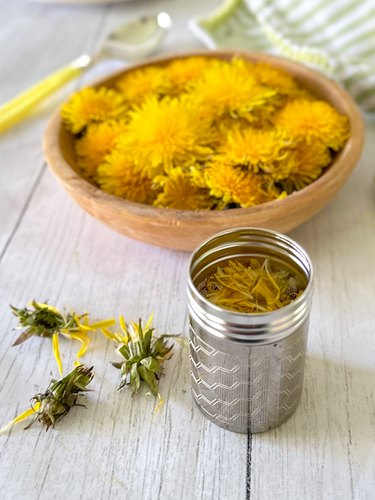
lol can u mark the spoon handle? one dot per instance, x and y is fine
(18, 108)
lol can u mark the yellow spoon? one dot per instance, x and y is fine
(133, 40)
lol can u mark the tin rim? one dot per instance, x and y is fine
(222, 322)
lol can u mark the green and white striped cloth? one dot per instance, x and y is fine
(335, 36)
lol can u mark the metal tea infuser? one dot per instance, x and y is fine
(247, 369)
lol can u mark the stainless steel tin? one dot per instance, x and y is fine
(247, 369)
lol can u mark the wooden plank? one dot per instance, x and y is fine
(118, 447)
(30, 34)
(73, 260)
(325, 451)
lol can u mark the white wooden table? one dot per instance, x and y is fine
(50, 249)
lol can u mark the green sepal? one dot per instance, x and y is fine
(124, 351)
(152, 364)
(135, 379)
(147, 339)
(117, 364)
(150, 379)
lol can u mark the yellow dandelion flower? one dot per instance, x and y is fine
(258, 191)
(167, 133)
(226, 125)
(91, 105)
(305, 164)
(228, 89)
(118, 176)
(98, 141)
(307, 120)
(301, 93)
(271, 189)
(255, 148)
(234, 185)
(182, 73)
(197, 176)
(276, 78)
(180, 193)
(138, 84)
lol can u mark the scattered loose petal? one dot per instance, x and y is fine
(23, 416)
(56, 352)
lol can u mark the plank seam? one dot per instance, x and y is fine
(23, 211)
(248, 464)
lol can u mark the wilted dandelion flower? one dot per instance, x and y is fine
(91, 105)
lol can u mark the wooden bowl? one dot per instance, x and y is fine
(184, 229)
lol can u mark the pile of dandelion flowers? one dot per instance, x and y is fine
(91, 105)
(166, 133)
(191, 113)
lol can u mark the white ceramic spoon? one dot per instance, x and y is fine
(133, 40)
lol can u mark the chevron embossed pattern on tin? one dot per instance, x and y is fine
(249, 387)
